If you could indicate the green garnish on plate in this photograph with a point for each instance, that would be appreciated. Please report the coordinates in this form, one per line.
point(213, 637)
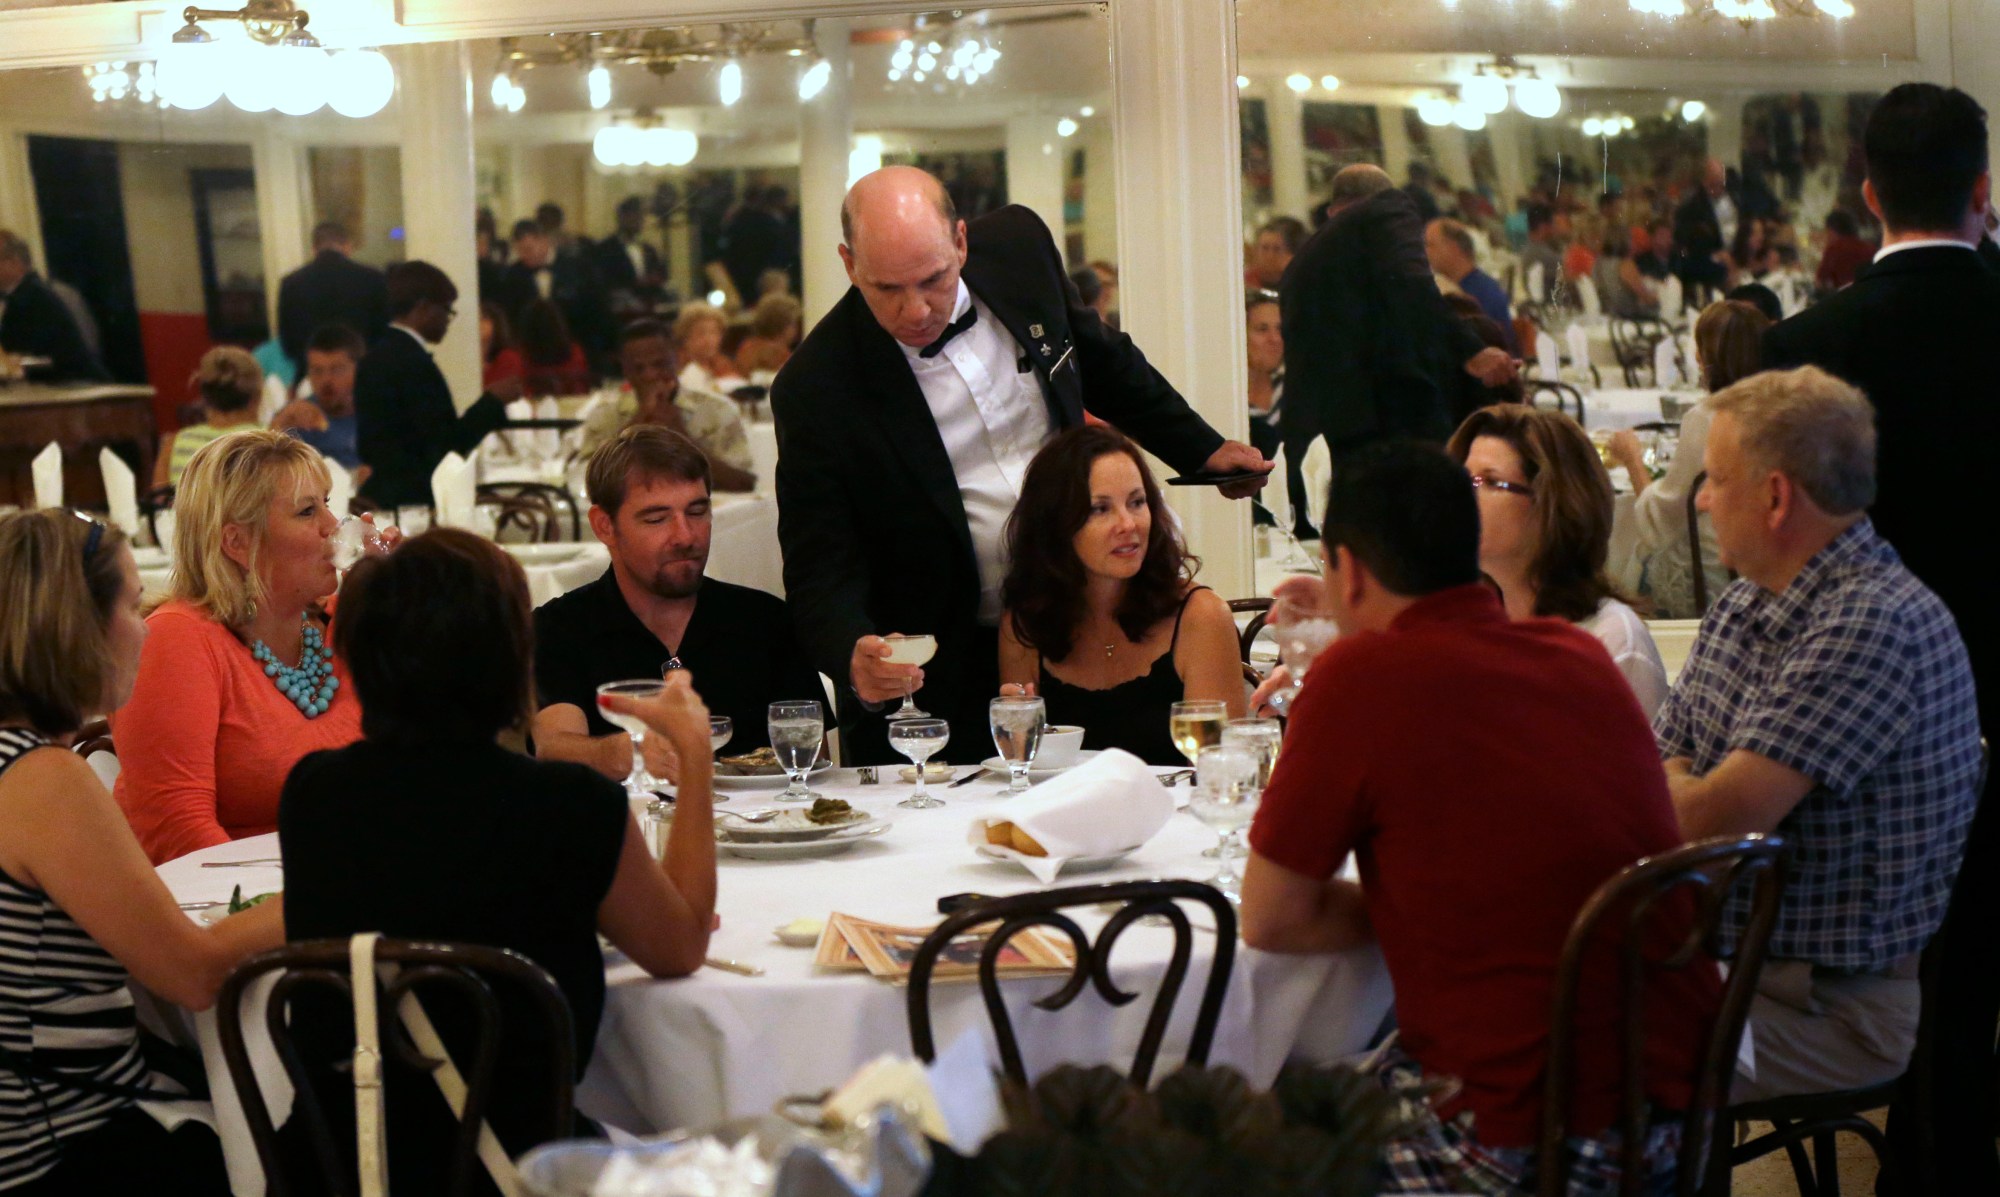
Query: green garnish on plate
point(238, 903)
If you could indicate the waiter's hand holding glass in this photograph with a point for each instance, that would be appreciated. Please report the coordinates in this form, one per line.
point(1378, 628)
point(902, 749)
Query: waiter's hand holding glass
point(880, 672)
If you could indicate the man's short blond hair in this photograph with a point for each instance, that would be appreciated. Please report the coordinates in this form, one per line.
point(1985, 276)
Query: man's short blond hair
point(1812, 428)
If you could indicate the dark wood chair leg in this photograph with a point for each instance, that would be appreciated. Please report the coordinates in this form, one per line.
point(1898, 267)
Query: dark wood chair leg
point(1826, 1162)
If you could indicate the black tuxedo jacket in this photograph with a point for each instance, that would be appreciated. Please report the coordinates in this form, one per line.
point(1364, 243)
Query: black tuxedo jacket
point(37, 323)
point(1698, 238)
point(405, 421)
point(873, 529)
point(330, 289)
point(576, 289)
point(1371, 350)
point(1912, 332)
point(614, 265)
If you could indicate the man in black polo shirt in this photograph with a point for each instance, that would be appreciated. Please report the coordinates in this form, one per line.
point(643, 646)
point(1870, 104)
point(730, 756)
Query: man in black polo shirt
point(653, 611)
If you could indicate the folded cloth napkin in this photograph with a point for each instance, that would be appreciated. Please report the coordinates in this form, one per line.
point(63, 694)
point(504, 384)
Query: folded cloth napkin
point(1688, 356)
point(548, 441)
point(1666, 364)
point(1107, 804)
point(48, 476)
point(1579, 350)
point(121, 492)
point(504, 443)
point(453, 487)
point(1673, 297)
point(1548, 358)
point(1537, 283)
point(1586, 293)
point(339, 488)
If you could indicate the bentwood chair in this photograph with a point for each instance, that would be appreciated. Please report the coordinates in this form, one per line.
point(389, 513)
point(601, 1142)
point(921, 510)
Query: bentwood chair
point(1260, 614)
point(1566, 397)
point(494, 993)
point(541, 511)
point(1660, 915)
point(1694, 546)
point(1136, 900)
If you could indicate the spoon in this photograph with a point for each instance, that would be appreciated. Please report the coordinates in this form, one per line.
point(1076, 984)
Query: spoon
point(755, 816)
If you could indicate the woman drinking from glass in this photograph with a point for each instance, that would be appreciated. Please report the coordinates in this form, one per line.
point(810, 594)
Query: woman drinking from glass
point(1103, 619)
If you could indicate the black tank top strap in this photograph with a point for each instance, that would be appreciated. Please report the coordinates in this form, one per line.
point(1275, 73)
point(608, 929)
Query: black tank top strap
point(1180, 615)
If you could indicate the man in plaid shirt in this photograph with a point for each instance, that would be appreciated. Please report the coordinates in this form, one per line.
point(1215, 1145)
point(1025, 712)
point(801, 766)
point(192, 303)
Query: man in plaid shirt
point(1828, 699)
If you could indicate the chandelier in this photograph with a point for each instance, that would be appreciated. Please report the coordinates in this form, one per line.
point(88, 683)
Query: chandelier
point(1745, 12)
point(944, 54)
point(662, 52)
point(1485, 94)
point(262, 58)
point(116, 82)
point(643, 140)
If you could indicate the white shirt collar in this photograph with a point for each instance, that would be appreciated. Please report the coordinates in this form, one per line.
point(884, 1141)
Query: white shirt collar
point(958, 309)
point(1926, 243)
point(415, 335)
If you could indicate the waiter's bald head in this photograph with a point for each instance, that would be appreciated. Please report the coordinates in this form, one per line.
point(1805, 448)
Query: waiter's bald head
point(1357, 182)
point(904, 245)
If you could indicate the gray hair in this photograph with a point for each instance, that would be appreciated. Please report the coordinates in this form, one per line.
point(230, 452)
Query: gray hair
point(1811, 427)
point(1357, 182)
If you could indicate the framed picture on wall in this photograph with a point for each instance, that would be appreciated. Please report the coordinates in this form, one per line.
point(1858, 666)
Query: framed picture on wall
point(232, 255)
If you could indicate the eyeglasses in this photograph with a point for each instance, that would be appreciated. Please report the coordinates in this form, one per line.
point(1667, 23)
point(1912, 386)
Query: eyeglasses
point(1483, 482)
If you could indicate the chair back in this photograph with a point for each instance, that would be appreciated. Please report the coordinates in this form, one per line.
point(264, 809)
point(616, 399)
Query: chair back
point(1632, 908)
point(542, 511)
point(1136, 900)
point(1694, 546)
point(469, 972)
point(1566, 398)
point(1260, 614)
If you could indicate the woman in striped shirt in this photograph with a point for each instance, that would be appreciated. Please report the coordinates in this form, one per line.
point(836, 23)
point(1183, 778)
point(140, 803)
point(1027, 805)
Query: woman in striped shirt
point(81, 910)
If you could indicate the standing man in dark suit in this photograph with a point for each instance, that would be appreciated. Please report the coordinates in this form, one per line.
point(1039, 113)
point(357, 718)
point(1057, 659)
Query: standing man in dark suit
point(1704, 226)
point(333, 288)
point(569, 281)
point(34, 321)
point(632, 270)
point(1912, 332)
point(1371, 351)
point(405, 419)
point(906, 420)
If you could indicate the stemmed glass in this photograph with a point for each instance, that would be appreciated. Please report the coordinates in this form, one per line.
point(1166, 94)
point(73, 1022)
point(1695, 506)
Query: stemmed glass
point(796, 731)
point(1196, 725)
point(1225, 797)
point(353, 539)
point(720, 731)
point(638, 783)
point(1016, 722)
point(1303, 632)
point(910, 650)
point(1260, 738)
point(919, 739)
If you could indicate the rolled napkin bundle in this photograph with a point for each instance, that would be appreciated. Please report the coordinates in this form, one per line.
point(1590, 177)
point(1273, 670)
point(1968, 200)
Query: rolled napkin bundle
point(1586, 293)
point(454, 486)
point(1537, 283)
point(121, 491)
point(48, 476)
point(1673, 297)
point(1579, 350)
point(1107, 804)
point(548, 441)
point(339, 488)
point(1666, 364)
point(1548, 358)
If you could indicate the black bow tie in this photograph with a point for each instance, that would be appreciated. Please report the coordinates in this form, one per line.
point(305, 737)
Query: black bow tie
point(956, 327)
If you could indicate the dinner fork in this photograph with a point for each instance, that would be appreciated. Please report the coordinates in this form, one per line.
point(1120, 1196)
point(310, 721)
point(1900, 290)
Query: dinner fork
point(755, 816)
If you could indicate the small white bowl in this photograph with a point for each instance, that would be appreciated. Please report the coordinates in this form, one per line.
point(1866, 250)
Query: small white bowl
point(796, 935)
point(1059, 747)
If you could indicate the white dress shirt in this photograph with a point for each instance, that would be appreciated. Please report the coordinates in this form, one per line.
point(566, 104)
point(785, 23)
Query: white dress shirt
point(545, 281)
point(1923, 243)
point(635, 253)
point(416, 336)
point(992, 418)
point(1725, 218)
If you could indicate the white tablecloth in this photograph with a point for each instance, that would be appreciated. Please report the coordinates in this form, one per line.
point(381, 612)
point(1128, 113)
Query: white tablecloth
point(717, 1045)
point(1613, 408)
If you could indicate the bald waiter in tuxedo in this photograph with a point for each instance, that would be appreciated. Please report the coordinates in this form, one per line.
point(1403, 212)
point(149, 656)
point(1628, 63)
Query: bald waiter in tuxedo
point(906, 419)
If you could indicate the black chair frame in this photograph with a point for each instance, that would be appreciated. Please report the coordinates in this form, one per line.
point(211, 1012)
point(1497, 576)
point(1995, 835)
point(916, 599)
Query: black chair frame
point(1261, 614)
point(462, 968)
point(522, 504)
point(1630, 903)
point(1568, 398)
point(1093, 963)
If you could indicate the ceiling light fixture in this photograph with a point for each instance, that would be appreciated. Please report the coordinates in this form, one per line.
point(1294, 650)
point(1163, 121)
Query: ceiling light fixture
point(1744, 12)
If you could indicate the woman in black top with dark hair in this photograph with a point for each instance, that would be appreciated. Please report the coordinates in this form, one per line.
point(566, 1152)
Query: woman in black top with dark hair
point(428, 829)
point(1103, 618)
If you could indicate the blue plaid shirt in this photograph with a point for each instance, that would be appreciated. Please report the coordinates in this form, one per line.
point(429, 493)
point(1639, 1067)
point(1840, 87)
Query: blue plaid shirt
point(1855, 677)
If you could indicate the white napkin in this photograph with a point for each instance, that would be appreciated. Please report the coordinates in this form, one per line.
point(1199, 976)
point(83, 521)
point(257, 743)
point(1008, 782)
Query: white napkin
point(1537, 291)
point(548, 441)
point(503, 444)
point(121, 492)
point(48, 476)
point(1579, 350)
point(453, 486)
point(1107, 804)
point(1317, 470)
point(1666, 364)
point(339, 487)
point(1688, 356)
point(1548, 358)
point(1673, 297)
point(1586, 291)
point(272, 401)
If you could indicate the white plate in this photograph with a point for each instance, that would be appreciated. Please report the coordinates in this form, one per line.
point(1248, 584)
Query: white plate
point(793, 849)
point(544, 554)
point(765, 781)
point(994, 764)
point(150, 557)
point(1075, 864)
point(791, 825)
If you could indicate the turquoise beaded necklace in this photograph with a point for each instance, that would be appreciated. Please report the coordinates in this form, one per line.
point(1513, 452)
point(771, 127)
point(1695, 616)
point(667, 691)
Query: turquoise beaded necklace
point(311, 685)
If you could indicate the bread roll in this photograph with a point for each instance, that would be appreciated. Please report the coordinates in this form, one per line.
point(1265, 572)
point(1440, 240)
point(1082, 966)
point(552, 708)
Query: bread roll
point(1000, 833)
point(1026, 844)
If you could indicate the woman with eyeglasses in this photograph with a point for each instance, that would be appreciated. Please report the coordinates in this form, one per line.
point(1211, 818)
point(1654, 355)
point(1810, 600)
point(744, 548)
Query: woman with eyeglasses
point(82, 914)
point(1545, 530)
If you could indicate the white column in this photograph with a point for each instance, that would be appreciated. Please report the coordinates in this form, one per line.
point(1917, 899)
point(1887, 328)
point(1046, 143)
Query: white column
point(826, 137)
point(1035, 168)
point(1100, 187)
point(284, 210)
point(1285, 116)
point(1449, 155)
point(1510, 155)
point(1725, 130)
point(19, 213)
point(1181, 210)
point(439, 195)
point(1975, 55)
point(1389, 120)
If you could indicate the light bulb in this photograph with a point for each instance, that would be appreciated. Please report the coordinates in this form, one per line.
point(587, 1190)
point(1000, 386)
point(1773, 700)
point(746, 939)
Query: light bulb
point(1242, 81)
point(254, 81)
point(926, 62)
point(598, 82)
point(1592, 126)
point(1538, 98)
point(1298, 83)
point(190, 75)
point(716, 299)
point(1839, 10)
point(503, 87)
point(682, 145)
point(1329, 83)
point(1434, 111)
point(1086, 112)
point(1066, 128)
point(361, 83)
point(304, 74)
point(657, 147)
point(1487, 93)
point(814, 81)
point(1693, 111)
point(517, 99)
point(1468, 118)
point(729, 83)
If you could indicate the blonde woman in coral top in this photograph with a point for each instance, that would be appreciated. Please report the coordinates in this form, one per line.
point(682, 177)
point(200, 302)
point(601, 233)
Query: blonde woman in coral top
point(237, 680)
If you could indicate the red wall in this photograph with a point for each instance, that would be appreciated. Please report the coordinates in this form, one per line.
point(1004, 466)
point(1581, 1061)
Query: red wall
point(173, 344)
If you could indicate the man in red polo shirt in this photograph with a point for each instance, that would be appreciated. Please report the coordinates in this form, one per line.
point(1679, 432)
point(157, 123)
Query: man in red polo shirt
point(1491, 775)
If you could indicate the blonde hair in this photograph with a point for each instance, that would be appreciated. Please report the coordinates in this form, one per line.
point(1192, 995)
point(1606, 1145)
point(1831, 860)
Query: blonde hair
point(232, 480)
point(775, 315)
point(228, 378)
point(691, 315)
point(55, 660)
point(1812, 428)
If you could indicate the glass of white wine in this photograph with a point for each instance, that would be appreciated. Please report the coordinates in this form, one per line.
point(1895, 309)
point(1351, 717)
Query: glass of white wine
point(1260, 738)
point(910, 650)
point(919, 739)
point(1016, 722)
point(1225, 797)
point(639, 784)
point(721, 729)
point(797, 728)
point(1196, 725)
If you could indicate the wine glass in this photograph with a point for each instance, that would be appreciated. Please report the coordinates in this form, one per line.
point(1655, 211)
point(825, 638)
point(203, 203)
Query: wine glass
point(796, 731)
point(1225, 797)
point(353, 539)
point(720, 731)
point(1303, 632)
point(638, 783)
point(910, 650)
point(1260, 738)
point(1016, 722)
point(1196, 725)
point(919, 739)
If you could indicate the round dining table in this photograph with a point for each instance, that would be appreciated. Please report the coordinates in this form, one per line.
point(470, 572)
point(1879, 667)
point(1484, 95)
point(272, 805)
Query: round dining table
point(697, 1050)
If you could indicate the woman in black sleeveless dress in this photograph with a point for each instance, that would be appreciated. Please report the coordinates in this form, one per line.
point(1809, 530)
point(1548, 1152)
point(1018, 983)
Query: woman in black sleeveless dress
point(1103, 618)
